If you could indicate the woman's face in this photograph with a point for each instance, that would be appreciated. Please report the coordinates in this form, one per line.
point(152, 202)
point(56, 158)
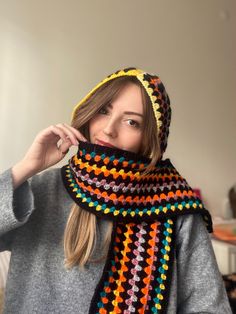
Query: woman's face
point(120, 123)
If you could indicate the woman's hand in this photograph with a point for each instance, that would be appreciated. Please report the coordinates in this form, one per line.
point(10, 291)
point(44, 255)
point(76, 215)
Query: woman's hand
point(46, 151)
point(48, 148)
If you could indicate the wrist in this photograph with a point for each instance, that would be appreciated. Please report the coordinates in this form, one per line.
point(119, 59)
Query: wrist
point(21, 172)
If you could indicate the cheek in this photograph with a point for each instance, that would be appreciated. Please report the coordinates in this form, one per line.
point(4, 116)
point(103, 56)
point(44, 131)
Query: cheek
point(93, 126)
point(96, 125)
point(133, 143)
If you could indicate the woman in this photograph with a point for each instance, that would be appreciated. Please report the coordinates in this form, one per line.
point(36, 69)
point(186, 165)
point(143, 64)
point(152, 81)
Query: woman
point(135, 239)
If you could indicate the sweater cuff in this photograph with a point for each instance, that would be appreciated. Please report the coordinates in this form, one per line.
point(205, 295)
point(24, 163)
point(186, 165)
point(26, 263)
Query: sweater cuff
point(17, 205)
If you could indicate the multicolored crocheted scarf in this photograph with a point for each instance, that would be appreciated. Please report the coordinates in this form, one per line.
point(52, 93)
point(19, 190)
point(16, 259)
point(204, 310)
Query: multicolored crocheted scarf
point(111, 183)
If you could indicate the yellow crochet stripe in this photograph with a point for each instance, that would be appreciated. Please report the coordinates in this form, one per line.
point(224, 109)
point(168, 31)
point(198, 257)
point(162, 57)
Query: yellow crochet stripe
point(155, 106)
point(133, 72)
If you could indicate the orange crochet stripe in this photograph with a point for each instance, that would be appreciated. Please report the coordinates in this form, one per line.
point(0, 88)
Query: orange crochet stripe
point(124, 268)
point(124, 175)
point(122, 278)
point(105, 171)
point(136, 199)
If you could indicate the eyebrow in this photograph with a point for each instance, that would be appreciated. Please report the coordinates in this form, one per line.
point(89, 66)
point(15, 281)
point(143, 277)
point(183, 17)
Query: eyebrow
point(134, 113)
point(128, 112)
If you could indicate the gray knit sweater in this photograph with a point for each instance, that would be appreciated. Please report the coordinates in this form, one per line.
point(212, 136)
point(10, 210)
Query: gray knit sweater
point(32, 223)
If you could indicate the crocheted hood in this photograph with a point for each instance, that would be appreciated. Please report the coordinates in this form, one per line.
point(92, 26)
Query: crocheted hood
point(156, 91)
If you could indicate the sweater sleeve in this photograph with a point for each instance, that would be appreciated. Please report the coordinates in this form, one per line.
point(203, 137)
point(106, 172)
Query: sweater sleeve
point(200, 285)
point(15, 208)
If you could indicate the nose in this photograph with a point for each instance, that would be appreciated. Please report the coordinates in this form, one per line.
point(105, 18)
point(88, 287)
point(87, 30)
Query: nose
point(110, 128)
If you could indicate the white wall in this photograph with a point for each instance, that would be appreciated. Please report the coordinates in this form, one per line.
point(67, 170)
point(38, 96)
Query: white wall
point(53, 52)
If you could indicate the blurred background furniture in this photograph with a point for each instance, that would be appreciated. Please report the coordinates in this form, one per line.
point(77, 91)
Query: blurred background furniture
point(224, 244)
point(225, 255)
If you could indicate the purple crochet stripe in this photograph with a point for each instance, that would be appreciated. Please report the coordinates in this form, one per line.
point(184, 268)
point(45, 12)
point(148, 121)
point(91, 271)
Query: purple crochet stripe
point(135, 272)
point(122, 186)
point(128, 187)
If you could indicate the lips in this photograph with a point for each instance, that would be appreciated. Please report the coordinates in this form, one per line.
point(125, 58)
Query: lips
point(102, 143)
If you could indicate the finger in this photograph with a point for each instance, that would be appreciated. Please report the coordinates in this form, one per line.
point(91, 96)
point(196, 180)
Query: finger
point(69, 135)
point(77, 133)
point(51, 134)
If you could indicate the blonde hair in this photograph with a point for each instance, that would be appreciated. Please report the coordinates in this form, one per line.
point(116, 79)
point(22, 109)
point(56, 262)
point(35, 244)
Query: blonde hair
point(81, 228)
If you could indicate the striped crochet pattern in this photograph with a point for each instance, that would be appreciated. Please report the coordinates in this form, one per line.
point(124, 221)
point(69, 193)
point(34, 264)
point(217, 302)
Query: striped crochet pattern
point(135, 276)
point(110, 183)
